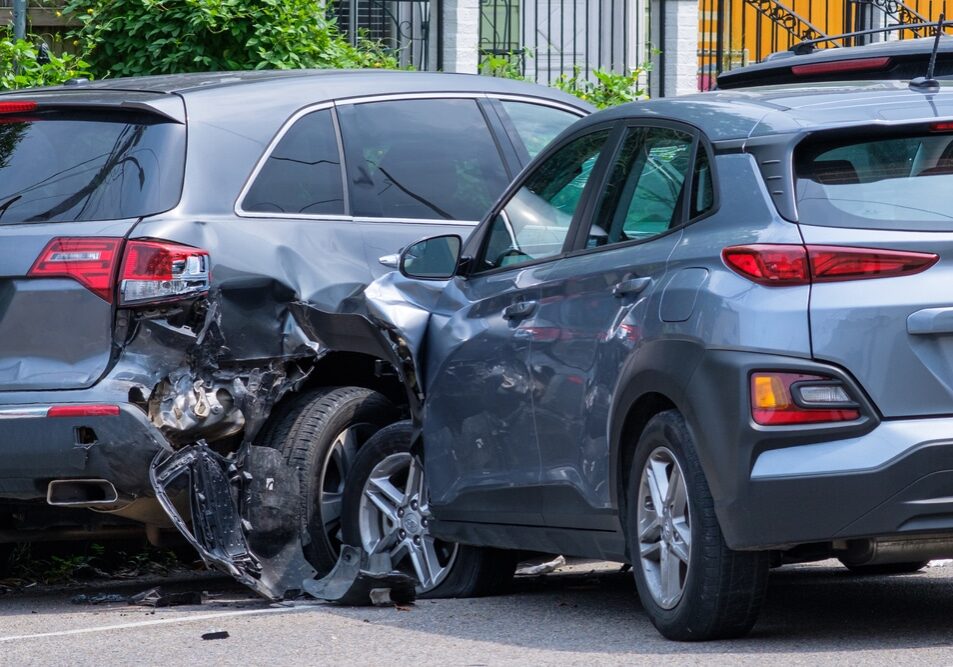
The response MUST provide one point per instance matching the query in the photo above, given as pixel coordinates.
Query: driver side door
(482, 454)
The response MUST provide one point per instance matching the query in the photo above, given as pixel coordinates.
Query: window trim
(480, 236)
(700, 141)
(240, 212)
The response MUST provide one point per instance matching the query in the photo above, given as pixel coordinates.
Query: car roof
(307, 86)
(750, 112)
(781, 61)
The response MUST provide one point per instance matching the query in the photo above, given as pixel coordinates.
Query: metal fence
(409, 29)
(547, 38)
(734, 33)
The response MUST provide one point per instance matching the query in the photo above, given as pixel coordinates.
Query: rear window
(68, 167)
(883, 183)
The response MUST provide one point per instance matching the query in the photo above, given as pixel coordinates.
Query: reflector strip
(83, 411)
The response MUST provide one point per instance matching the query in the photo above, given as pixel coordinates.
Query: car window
(879, 182)
(58, 166)
(303, 172)
(535, 221)
(644, 192)
(536, 125)
(425, 159)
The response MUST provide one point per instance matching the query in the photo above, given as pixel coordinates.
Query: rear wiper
(8, 203)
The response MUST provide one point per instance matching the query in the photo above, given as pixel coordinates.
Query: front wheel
(387, 510)
(692, 586)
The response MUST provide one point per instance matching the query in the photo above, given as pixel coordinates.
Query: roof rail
(807, 46)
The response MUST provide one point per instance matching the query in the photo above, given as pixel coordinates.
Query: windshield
(67, 167)
(884, 183)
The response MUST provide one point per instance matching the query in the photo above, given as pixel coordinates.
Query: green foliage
(139, 37)
(508, 66)
(21, 65)
(27, 563)
(607, 90)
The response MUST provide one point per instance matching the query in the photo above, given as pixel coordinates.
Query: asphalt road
(585, 614)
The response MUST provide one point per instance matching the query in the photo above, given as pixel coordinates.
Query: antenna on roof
(929, 82)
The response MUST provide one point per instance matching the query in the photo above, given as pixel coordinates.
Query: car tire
(884, 569)
(320, 433)
(691, 585)
(371, 520)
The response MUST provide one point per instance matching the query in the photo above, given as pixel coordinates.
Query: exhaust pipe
(889, 551)
(82, 493)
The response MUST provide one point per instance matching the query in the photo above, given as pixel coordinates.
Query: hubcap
(664, 527)
(395, 519)
(334, 474)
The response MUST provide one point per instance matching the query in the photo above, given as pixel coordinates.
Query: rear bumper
(36, 448)
(779, 486)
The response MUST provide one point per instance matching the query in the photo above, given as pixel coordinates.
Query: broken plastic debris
(155, 597)
(216, 634)
(97, 598)
(360, 580)
(542, 568)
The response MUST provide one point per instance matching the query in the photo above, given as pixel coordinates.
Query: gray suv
(705, 336)
(156, 237)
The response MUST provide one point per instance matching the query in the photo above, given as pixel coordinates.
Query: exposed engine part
(883, 552)
(185, 410)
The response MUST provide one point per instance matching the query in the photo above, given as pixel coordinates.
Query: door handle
(520, 310)
(631, 287)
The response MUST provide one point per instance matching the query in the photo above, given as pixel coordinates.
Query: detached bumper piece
(243, 514)
(359, 579)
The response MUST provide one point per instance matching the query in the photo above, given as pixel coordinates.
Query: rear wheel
(320, 434)
(692, 586)
(886, 568)
(387, 510)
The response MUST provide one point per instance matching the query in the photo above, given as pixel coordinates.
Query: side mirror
(435, 258)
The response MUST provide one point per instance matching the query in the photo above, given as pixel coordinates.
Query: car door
(482, 460)
(598, 307)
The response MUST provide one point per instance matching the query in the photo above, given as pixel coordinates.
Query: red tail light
(90, 261)
(157, 271)
(783, 265)
(842, 67)
(151, 270)
(794, 398)
(17, 107)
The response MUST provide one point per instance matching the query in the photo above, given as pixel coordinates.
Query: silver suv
(704, 336)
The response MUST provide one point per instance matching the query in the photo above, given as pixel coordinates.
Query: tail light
(842, 66)
(158, 271)
(796, 398)
(17, 107)
(785, 265)
(89, 261)
(151, 271)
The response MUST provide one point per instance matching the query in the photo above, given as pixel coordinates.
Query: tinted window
(59, 167)
(433, 159)
(534, 223)
(536, 125)
(886, 183)
(643, 196)
(303, 173)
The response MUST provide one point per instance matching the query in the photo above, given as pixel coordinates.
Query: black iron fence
(734, 33)
(409, 29)
(546, 38)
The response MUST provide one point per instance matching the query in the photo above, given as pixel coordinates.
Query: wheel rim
(334, 472)
(664, 528)
(395, 517)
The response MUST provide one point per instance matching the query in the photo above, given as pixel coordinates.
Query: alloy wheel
(664, 528)
(334, 472)
(395, 520)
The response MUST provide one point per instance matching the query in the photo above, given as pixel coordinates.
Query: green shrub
(139, 37)
(607, 90)
(23, 66)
